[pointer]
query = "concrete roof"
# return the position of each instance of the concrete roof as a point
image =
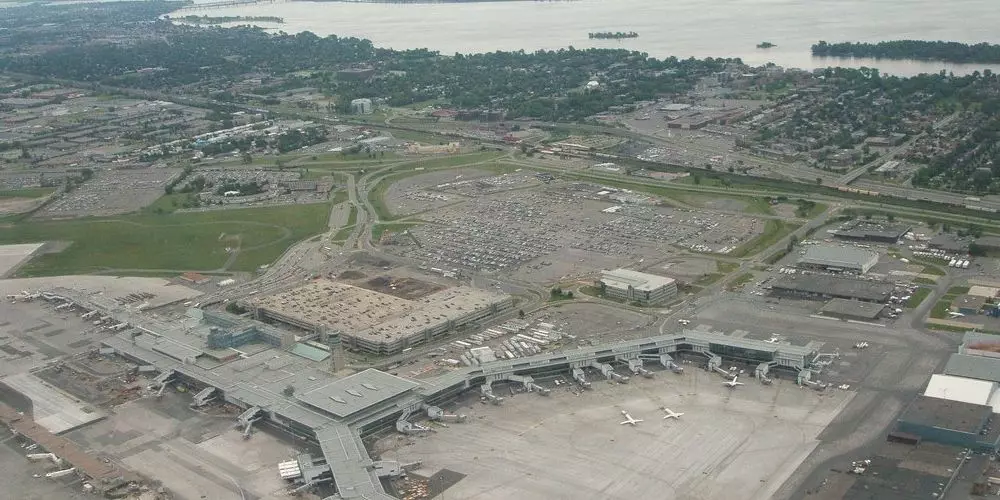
(962, 389)
(856, 308)
(349, 395)
(977, 367)
(955, 415)
(983, 291)
(379, 316)
(863, 229)
(834, 285)
(837, 256)
(624, 278)
(969, 302)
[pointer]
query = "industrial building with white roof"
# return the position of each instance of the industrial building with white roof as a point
(838, 258)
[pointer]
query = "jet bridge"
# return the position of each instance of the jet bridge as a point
(438, 415)
(247, 419)
(161, 381)
(581, 377)
(529, 384)
(404, 426)
(608, 372)
(204, 397)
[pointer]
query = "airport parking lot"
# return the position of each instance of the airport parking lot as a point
(540, 228)
(112, 192)
(572, 446)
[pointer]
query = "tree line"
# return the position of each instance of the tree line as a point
(912, 49)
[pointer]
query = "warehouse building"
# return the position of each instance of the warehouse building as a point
(952, 423)
(633, 286)
(972, 366)
(969, 305)
(813, 286)
(863, 230)
(838, 259)
(852, 309)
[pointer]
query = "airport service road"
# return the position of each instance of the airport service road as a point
(571, 446)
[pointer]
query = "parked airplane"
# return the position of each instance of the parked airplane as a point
(732, 383)
(955, 314)
(671, 414)
(629, 420)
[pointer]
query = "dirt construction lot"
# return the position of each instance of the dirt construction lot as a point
(747, 440)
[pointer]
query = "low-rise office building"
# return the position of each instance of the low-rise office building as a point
(633, 286)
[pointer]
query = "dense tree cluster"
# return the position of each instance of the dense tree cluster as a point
(546, 84)
(912, 49)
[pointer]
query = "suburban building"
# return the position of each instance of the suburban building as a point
(361, 106)
(863, 230)
(633, 286)
(838, 258)
(950, 422)
(852, 309)
(815, 286)
(968, 304)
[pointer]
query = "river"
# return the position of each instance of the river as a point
(682, 28)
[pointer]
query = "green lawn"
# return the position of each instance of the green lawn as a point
(941, 308)
(708, 279)
(923, 281)
(340, 196)
(27, 193)
(188, 241)
(931, 269)
(726, 267)
(739, 281)
(958, 290)
(774, 231)
(379, 229)
(918, 297)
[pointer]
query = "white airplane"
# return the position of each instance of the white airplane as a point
(629, 420)
(956, 314)
(732, 383)
(671, 414)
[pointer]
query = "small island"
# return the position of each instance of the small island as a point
(765, 45)
(953, 52)
(618, 35)
(229, 19)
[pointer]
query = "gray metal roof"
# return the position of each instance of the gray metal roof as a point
(947, 414)
(854, 308)
(977, 367)
(834, 286)
(837, 256)
(349, 395)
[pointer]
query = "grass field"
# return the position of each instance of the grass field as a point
(918, 296)
(726, 267)
(774, 231)
(739, 281)
(27, 193)
(188, 241)
(379, 229)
